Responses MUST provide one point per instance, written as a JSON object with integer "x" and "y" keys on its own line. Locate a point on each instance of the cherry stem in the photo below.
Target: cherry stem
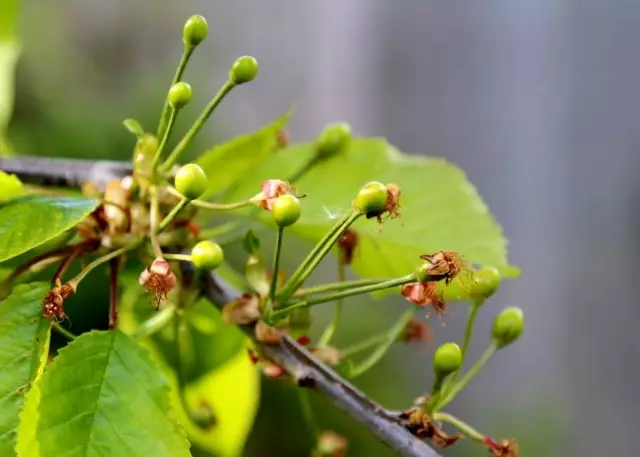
{"x": 337, "y": 286}
{"x": 473, "y": 371}
{"x": 153, "y": 222}
{"x": 465, "y": 428}
{"x": 383, "y": 348}
{"x": 113, "y": 293}
{"x": 468, "y": 333}
{"x": 164, "y": 117}
{"x": 317, "y": 254}
{"x": 173, "y": 214}
{"x": 155, "y": 323}
{"x": 274, "y": 274}
{"x": 163, "y": 142}
{"x": 332, "y": 328}
{"x": 195, "y": 128}
{"x": 213, "y": 206}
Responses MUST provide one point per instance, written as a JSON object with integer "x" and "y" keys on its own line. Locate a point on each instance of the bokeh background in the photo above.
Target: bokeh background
{"x": 537, "y": 101}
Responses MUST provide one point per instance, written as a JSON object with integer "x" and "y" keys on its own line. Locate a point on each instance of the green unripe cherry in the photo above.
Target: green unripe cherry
{"x": 207, "y": 255}
{"x": 332, "y": 139}
{"x": 486, "y": 282}
{"x": 447, "y": 359}
{"x": 508, "y": 326}
{"x": 179, "y": 95}
{"x": 195, "y": 31}
{"x": 372, "y": 198}
{"x": 191, "y": 181}
{"x": 285, "y": 210}
{"x": 243, "y": 70}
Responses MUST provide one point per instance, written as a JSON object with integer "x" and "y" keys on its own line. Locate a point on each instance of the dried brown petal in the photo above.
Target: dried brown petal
{"x": 267, "y": 334}
{"x": 243, "y": 311}
{"x": 53, "y": 302}
{"x": 417, "y": 331}
{"x": 424, "y": 294}
{"x": 158, "y": 279}
{"x": 331, "y": 444}
{"x": 445, "y": 265}
{"x": 283, "y": 138}
{"x": 273, "y": 371}
{"x": 505, "y": 448}
{"x": 347, "y": 243}
{"x": 327, "y": 354}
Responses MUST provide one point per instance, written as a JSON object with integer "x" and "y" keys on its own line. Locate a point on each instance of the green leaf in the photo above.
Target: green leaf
{"x": 225, "y": 164}
{"x": 10, "y": 185}
{"x": 440, "y": 208}
{"x": 29, "y": 221}
{"x": 103, "y": 396}
{"x": 133, "y": 126}
{"x": 24, "y": 339}
{"x": 9, "y": 52}
{"x": 231, "y": 392}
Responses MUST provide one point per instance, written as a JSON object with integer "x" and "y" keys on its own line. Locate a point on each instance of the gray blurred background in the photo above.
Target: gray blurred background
{"x": 536, "y": 100}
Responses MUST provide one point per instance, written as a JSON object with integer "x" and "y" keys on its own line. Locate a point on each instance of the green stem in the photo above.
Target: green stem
{"x": 468, "y": 333}
{"x": 303, "y": 170}
{"x": 64, "y": 332}
{"x": 317, "y": 254}
{"x": 274, "y": 273}
{"x": 307, "y": 412}
{"x": 465, "y": 428}
{"x": 379, "y": 353}
{"x": 191, "y": 133}
{"x": 153, "y": 222}
{"x": 165, "y": 137}
{"x": 213, "y": 206}
{"x": 337, "y": 286}
{"x": 364, "y": 345}
{"x": 469, "y": 375}
{"x": 180, "y": 257}
{"x": 105, "y": 258}
{"x": 332, "y": 328}
{"x": 345, "y": 293}
{"x": 172, "y": 215}
{"x": 184, "y": 59}
{"x": 155, "y": 323}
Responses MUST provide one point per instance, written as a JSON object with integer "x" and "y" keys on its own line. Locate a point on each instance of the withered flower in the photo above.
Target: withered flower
{"x": 424, "y": 294}
{"x": 53, "y": 302}
{"x": 328, "y": 355}
{"x": 271, "y": 189}
{"x": 283, "y": 138}
{"x": 267, "y": 334}
{"x": 505, "y": 448}
{"x": 273, "y": 371}
{"x": 331, "y": 444}
{"x": 417, "y": 331}
{"x": 420, "y": 424}
{"x": 393, "y": 200}
{"x": 243, "y": 311}
{"x": 347, "y": 243}
{"x": 158, "y": 279}
{"x": 445, "y": 265}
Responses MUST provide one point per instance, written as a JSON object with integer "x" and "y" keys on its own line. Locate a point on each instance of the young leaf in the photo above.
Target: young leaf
{"x": 10, "y": 185}
{"x": 24, "y": 339}
{"x": 29, "y": 221}
{"x": 225, "y": 164}
{"x": 103, "y": 396}
{"x": 440, "y": 208}
{"x": 9, "y": 52}
{"x": 133, "y": 126}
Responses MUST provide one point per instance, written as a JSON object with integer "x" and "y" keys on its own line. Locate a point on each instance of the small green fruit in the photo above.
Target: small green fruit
{"x": 372, "y": 198}
{"x": 191, "y": 181}
{"x": 447, "y": 359}
{"x": 285, "y": 210}
{"x": 195, "y": 31}
{"x": 243, "y": 70}
{"x": 486, "y": 282}
{"x": 332, "y": 139}
{"x": 508, "y": 326}
{"x": 179, "y": 95}
{"x": 207, "y": 255}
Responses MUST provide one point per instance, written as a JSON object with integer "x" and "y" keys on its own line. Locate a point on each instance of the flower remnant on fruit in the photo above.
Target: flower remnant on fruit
{"x": 445, "y": 265}
{"x": 158, "y": 279}
{"x": 424, "y": 294}
{"x": 271, "y": 189}
{"x": 53, "y": 302}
